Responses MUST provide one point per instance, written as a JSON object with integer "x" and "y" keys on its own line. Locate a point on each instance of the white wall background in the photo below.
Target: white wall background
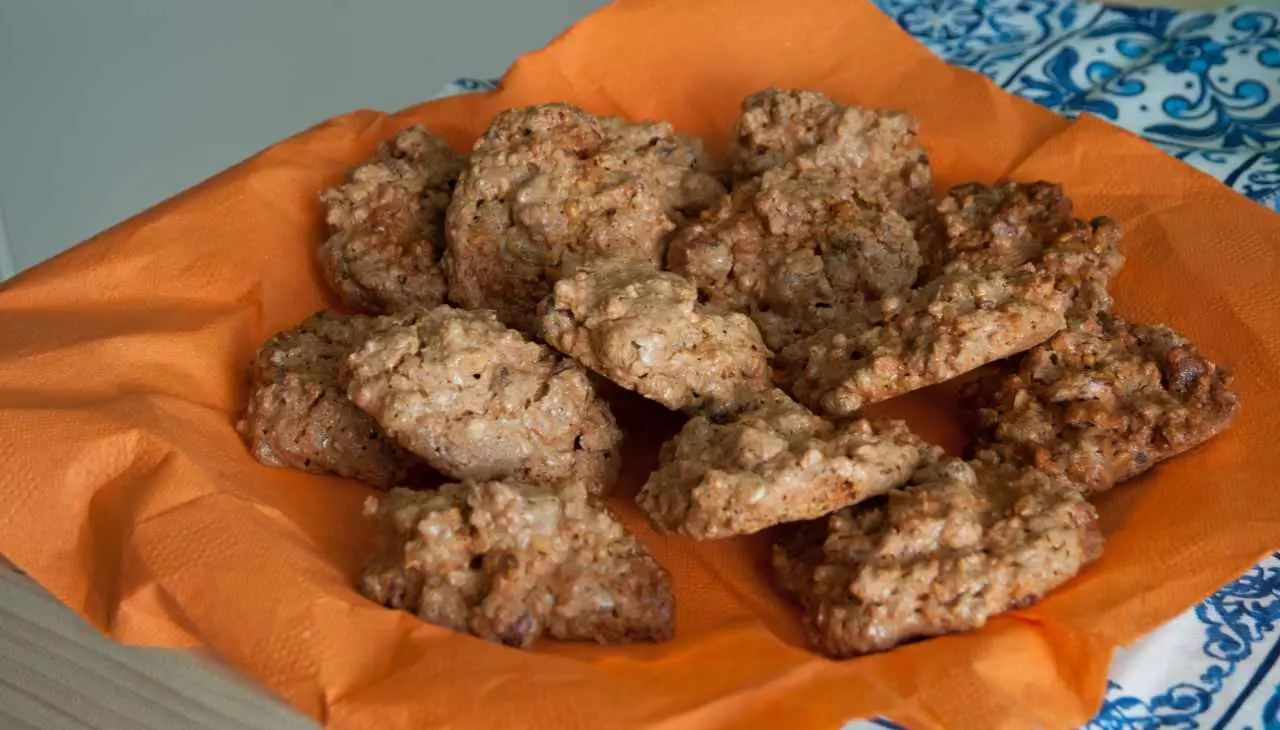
{"x": 109, "y": 106}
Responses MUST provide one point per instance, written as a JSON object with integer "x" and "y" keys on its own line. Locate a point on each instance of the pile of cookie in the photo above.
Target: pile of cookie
{"x": 771, "y": 303}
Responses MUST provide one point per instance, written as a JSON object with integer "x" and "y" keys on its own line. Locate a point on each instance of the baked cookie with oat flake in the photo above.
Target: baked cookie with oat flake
{"x": 979, "y": 309}
{"x": 960, "y": 544}
{"x": 774, "y": 462}
{"x": 645, "y": 330}
{"x": 387, "y": 225}
{"x": 1002, "y": 226}
{"x": 298, "y": 414}
{"x": 822, "y": 217}
{"x": 477, "y": 400}
{"x": 1101, "y": 402}
{"x": 953, "y": 324}
{"x": 878, "y": 150}
{"x": 551, "y": 187}
{"x": 510, "y": 562}
{"x": 797, "y": 249}
{"x": 998, "y": 226}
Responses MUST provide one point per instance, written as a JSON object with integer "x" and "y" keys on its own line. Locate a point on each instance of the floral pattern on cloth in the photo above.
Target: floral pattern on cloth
{"x": 1205, "y": 87}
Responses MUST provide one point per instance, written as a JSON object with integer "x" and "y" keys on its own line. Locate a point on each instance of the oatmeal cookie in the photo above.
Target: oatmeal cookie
{"x": 644, "y": 329}
{"x": 551, "y": 187}
{"x": 479, "y": 401}
{"x": 510, "y": 562}
{"x": 1000, "y": 227}
{"x": 774, "y": 463}
{"x": 959, "y": 545}
{"x": 978, "y": 310}
{"x": 298, "y": 414}
{"x": 952, "y": 325}
{"x": 1102, "y": 402}
{"x": 879, "y": 150}
{"x": 387, "y": 225}
{"x": 797, "y": 249}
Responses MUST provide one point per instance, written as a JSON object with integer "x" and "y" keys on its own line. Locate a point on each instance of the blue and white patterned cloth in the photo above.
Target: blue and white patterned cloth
{"x": 1204, "y": 87}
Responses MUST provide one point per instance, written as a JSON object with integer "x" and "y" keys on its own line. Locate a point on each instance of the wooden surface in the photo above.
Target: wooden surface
{"x": 58, "y": 673}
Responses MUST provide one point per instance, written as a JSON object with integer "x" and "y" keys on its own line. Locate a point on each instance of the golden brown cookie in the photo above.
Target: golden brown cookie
{"x": 979, "y": 309}
{"x": 477, "y": 400}
{"x": 551, "y": 187}
{"x": 510, "y": 562}
{"x": 387, "y": 225}
{"x": 644, "y": 329}
{"x": 298, "y": 414}
{"x": 775, "y": 462}
{"x": 960, "y": 544}
{"x": 879, "y": 150}
{"x": 1102, "y": 402}
{"x": 797, "y": 249}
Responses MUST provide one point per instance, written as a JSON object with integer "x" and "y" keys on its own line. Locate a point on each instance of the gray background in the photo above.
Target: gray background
{"x": 109, "y": 106}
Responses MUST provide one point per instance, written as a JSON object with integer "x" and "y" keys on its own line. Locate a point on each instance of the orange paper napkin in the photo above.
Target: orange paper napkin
{"x": 128, "y": 494}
